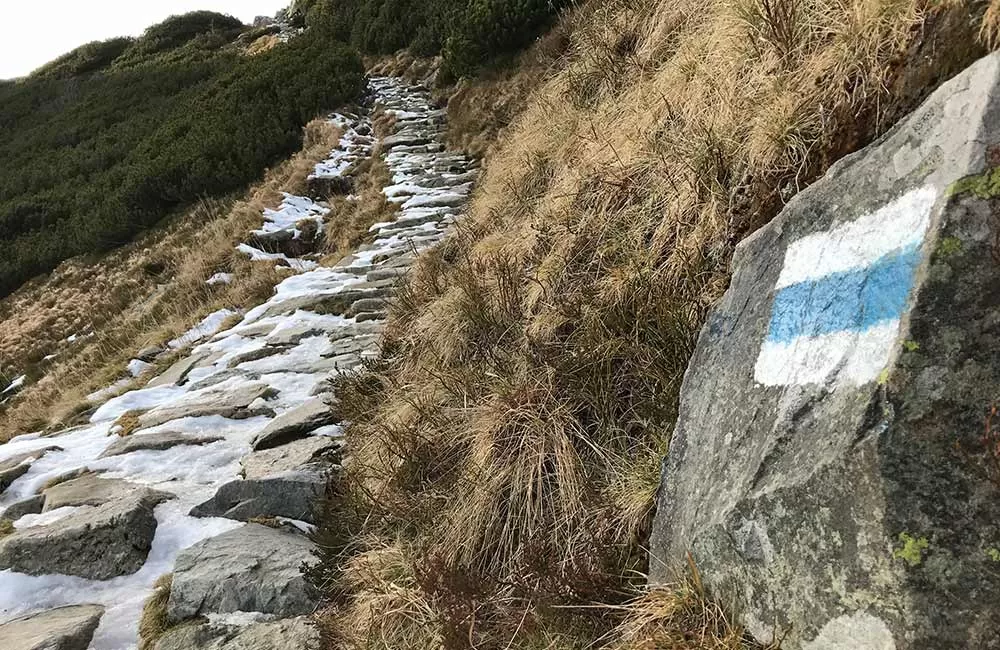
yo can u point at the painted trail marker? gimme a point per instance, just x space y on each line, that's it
841 294
828 471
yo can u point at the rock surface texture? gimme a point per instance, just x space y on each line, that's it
250 569
64 628
829 471
237 429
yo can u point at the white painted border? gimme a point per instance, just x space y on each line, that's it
861 242
847 358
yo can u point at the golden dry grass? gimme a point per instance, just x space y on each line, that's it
153 622
145 293
349 220
505 451
127 423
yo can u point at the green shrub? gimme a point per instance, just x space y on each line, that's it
470 33
85 59
90 161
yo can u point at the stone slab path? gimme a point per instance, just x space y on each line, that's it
233 435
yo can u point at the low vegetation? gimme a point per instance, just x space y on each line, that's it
468 33
113 137
153 622
145 293
504 453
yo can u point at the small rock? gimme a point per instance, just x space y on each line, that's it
295 423
30 506
250 569
291 494
17 466
111 540
176 373
286 458
63 628
149 353
155 442
231 403
287 634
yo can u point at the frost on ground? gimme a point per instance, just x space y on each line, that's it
232 384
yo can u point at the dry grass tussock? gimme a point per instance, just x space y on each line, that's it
153 622
504 452
145 293
349 220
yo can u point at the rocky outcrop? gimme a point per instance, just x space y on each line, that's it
290 494
251 569
295 423
292 634
64 628
834 466
101 543
292 457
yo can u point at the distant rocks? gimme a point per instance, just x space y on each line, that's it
250 569
63 628
155 442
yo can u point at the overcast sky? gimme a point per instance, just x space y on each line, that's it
40 30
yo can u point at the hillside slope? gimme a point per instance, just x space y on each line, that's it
112 137
506 450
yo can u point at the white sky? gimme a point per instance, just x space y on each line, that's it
40 30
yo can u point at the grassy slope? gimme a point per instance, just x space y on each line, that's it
505 452
145 293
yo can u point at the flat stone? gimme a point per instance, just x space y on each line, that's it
155 442
390 273
63 628
90 489
296 423
290 494
828 472
108 541
328 303
231 403
17 466
221 376
30 506
371 316
250 569
406 139
297 633
288 457
149 353
367 305
259 353
176 373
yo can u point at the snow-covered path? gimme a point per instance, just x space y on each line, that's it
241 409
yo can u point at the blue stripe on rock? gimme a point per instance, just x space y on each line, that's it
848 301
